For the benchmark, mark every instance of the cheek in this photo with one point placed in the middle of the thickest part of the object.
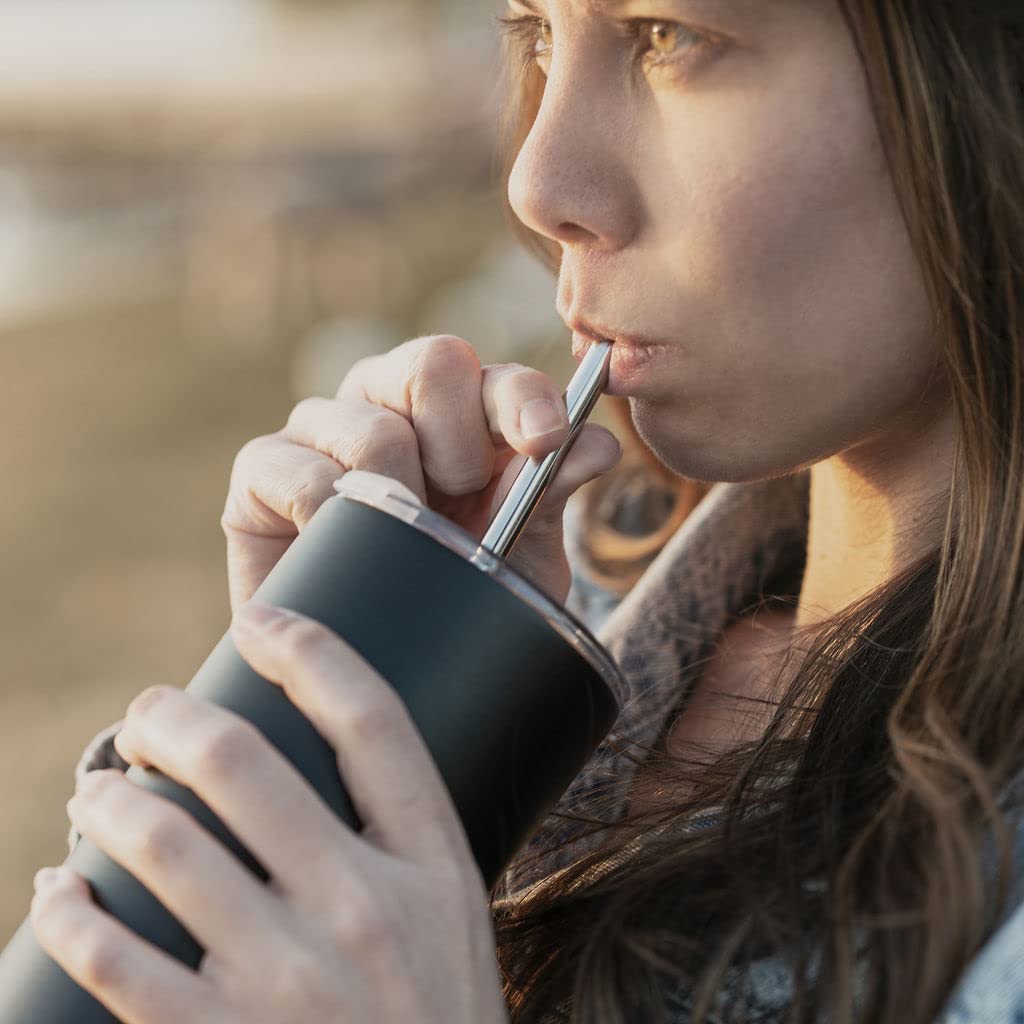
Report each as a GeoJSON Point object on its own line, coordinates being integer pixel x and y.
{"type": "Point", "coordinates": [805, 265]}
{"type": "Point", "coordinates": [803, 299]}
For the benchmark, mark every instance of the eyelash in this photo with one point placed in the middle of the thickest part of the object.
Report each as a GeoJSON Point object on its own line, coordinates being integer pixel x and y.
{"type": "Point", "coordinates": [522, 29]}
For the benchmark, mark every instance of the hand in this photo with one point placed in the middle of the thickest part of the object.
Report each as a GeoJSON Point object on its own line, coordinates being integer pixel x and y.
{"type": "Point", "coordinates": [427, 414]}
{"type": "Point", "coordinates": [389, 925]}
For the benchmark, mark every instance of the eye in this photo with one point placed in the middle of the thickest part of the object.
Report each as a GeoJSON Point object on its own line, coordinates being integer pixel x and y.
{"type": "Point", "coordinates": [662, 42]}
{"type": "Point", "coordinates": [664, 32]}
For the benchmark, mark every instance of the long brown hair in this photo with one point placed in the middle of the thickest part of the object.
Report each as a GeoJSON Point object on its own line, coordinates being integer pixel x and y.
{"type": "Point", "coordinates": [866, 844]}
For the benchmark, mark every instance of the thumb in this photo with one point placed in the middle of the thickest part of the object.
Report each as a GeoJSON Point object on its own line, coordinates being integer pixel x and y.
{"type": "Point", "coordinates": [539, 554]}
{"type": "Point", "coordinates": [595, 451]}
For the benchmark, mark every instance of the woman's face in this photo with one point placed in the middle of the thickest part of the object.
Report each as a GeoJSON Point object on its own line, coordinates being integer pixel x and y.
{"type": "Point", "coordinates": [732, 202]}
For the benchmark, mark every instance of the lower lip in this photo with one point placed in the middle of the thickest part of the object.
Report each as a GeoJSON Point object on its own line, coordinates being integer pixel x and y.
{"type": "Point", "coordinates": [629, 366]}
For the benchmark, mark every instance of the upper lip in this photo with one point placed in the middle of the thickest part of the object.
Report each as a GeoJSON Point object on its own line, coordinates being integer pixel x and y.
{"type": "Point", "coordinates": [597, 332]}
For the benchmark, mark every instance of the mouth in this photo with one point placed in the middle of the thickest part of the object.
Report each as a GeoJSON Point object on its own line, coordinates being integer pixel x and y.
{"type": "Point", "coordinates": [597, 332]}
{"type": "Point", "coordinates": [631, 355]}
{"type": "Point", "coordinates": [627, 370]}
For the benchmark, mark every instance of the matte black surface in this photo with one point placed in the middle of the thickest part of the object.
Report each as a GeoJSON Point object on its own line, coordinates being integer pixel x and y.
{"type": "Point", "coordinates": [508, 709]}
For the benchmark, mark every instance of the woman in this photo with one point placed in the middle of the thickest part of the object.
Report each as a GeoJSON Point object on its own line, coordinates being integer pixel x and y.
{"type": "Point", "coordinates": [811, 214]}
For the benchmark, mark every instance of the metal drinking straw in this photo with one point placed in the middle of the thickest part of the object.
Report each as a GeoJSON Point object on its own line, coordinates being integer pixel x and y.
{"type": "Point", "coordinates": [587, 383]}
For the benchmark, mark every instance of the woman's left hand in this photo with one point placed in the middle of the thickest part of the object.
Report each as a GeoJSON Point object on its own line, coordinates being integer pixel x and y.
{"type": "Point", "coordinates": [389, 925]}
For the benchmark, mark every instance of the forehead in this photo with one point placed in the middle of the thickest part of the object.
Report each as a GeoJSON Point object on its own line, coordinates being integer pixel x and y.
{"type": "Point", "coordinates": [584, 6]}
{"type": "Point", "coordinates": [581, 7]}
{"type": "Point", "coordinates": [708, 10]}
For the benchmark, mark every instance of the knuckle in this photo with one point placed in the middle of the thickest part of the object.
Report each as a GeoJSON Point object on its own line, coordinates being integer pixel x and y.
{"type": "Point", "coordinates": [250, 454]}
{"type": "Point", "coordinates": [228, 517]}
{"type": "Point", "coordinates": [160, 842]}
{"type": "Point", "coordinates": [408, 801]}
{"type": "Point", "coordinates": [251, 459]}
{"type": "Point", "coordinates": [306, 491]}
{"type": "Point", "coordinates": [103, 965]}
{"type": "Point", "coordinates": [302, 639]}
{"type": "Point", "coordinates": [144, 704]}
{"type": "Point", "coordinates": [361, 925]}
{"type": "Point", "coordinates": [369, 721]}
{"type": "Point", "coordinates": [95, 785]}
{"type": "Point", "coordinates": [295, 975]}
{"type": "Point", "coordinates": [223, 749]}
{"type": "Point", "coordinates": [350, 386]}
{"type": "Point", "coordinates": [520, 381]}
{"type": "Point", "coordinates": [301, 411]}
{"type": "Point", "coordinates": [466, 478]}
{"type": "Point", "coordinates": [442, 358]}
{"type": "Point", "coordinates": [53, 923]}
{"type": "Point", "coordinates": [385, 432]}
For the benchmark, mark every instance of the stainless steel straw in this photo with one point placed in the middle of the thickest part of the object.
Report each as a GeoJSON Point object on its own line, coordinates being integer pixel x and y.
{"type": "Point", "coordinates": [587, 383]}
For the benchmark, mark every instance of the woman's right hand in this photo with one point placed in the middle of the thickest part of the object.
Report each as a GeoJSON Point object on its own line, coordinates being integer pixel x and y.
{"type": "Point", "coordinates": [429, 415]}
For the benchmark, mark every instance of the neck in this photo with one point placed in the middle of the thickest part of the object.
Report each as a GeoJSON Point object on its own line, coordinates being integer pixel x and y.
{"type": "Point", "coordinates": [874, 510]}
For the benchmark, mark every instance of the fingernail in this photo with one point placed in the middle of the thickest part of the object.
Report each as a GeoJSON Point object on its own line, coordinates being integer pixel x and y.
{"type": "Point", "coordinates": [253, 614]}
{"type": "Point", "coordinates": [540, 416]}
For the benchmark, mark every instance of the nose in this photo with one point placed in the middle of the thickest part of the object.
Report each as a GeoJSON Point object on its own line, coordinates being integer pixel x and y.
{"type": "Point", "coordinates": [571, 180]}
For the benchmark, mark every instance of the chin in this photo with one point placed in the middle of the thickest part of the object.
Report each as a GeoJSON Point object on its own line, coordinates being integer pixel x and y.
{"type": "Point", "coordinates": [680, 455]}
{"type": "Point", "coordinates": [708, 459]}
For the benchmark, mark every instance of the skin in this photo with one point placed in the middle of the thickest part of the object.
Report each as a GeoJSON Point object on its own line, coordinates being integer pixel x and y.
{"type": "Point", "coordinates": [735, 208]}
{"type": "Point", "coordinates": [347, 927]}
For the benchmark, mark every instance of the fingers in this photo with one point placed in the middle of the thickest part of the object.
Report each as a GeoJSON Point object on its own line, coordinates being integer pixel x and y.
{"type": "Point", "coordinates": [136, 981]}
{"type": "Point", "coordinates": [596, 450]}
{"type": "Point", "coordinates": [540, 555]}
{"type": "Point", "coordinates": [424, 410]}
{"type": "Point", "coordinates": [459, 410]}
{"type": "Point", "coordinates": [359, 435]}
{"type": "Point", "coordinates": [186, 868]}
{"type": "Point", "coordinates": [434, 383]}
{"type": "Point", "coordinates": [390, 775]}
{"type": "Point", "coordinates": [254, 790]}
{"type": "Point", "coordinates": [425, 413]}
{"type": "Point", "coordinates": [525, 407]}
{"type": "Point", "coordinates": [276, 487]}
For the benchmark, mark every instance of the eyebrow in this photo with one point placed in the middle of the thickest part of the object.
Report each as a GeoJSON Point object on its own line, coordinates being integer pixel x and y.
{"type": "Point", "coordinates": [743, 7]}
{"type": "Point", "coordinates": [745, 11]}
{"type": "Point", "coordinates": [596, 6]}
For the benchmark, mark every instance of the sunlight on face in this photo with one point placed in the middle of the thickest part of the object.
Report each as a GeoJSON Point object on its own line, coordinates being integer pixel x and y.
{"type": "Point", "coordinates": [713, 175]}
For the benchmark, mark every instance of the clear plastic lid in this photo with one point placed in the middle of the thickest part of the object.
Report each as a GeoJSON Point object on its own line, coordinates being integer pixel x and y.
{"type": "Point", "coordinates": [391, 496]}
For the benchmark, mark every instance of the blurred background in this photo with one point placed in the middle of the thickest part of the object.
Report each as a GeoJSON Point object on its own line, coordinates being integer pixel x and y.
{"type": "Point", "coordinates": [209, 209]}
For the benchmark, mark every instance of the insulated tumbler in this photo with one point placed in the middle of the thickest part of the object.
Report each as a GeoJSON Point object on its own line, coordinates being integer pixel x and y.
{"type": "Point", "coordinates": [511, 693]}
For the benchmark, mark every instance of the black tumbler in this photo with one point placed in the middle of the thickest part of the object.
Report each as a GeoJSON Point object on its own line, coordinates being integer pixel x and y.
{"type": "Point", "coordinates": [511, 693]}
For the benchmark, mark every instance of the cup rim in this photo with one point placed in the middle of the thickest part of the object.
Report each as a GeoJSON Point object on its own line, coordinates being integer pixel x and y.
{"type": "Point", "coordinates": [397, 500]}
